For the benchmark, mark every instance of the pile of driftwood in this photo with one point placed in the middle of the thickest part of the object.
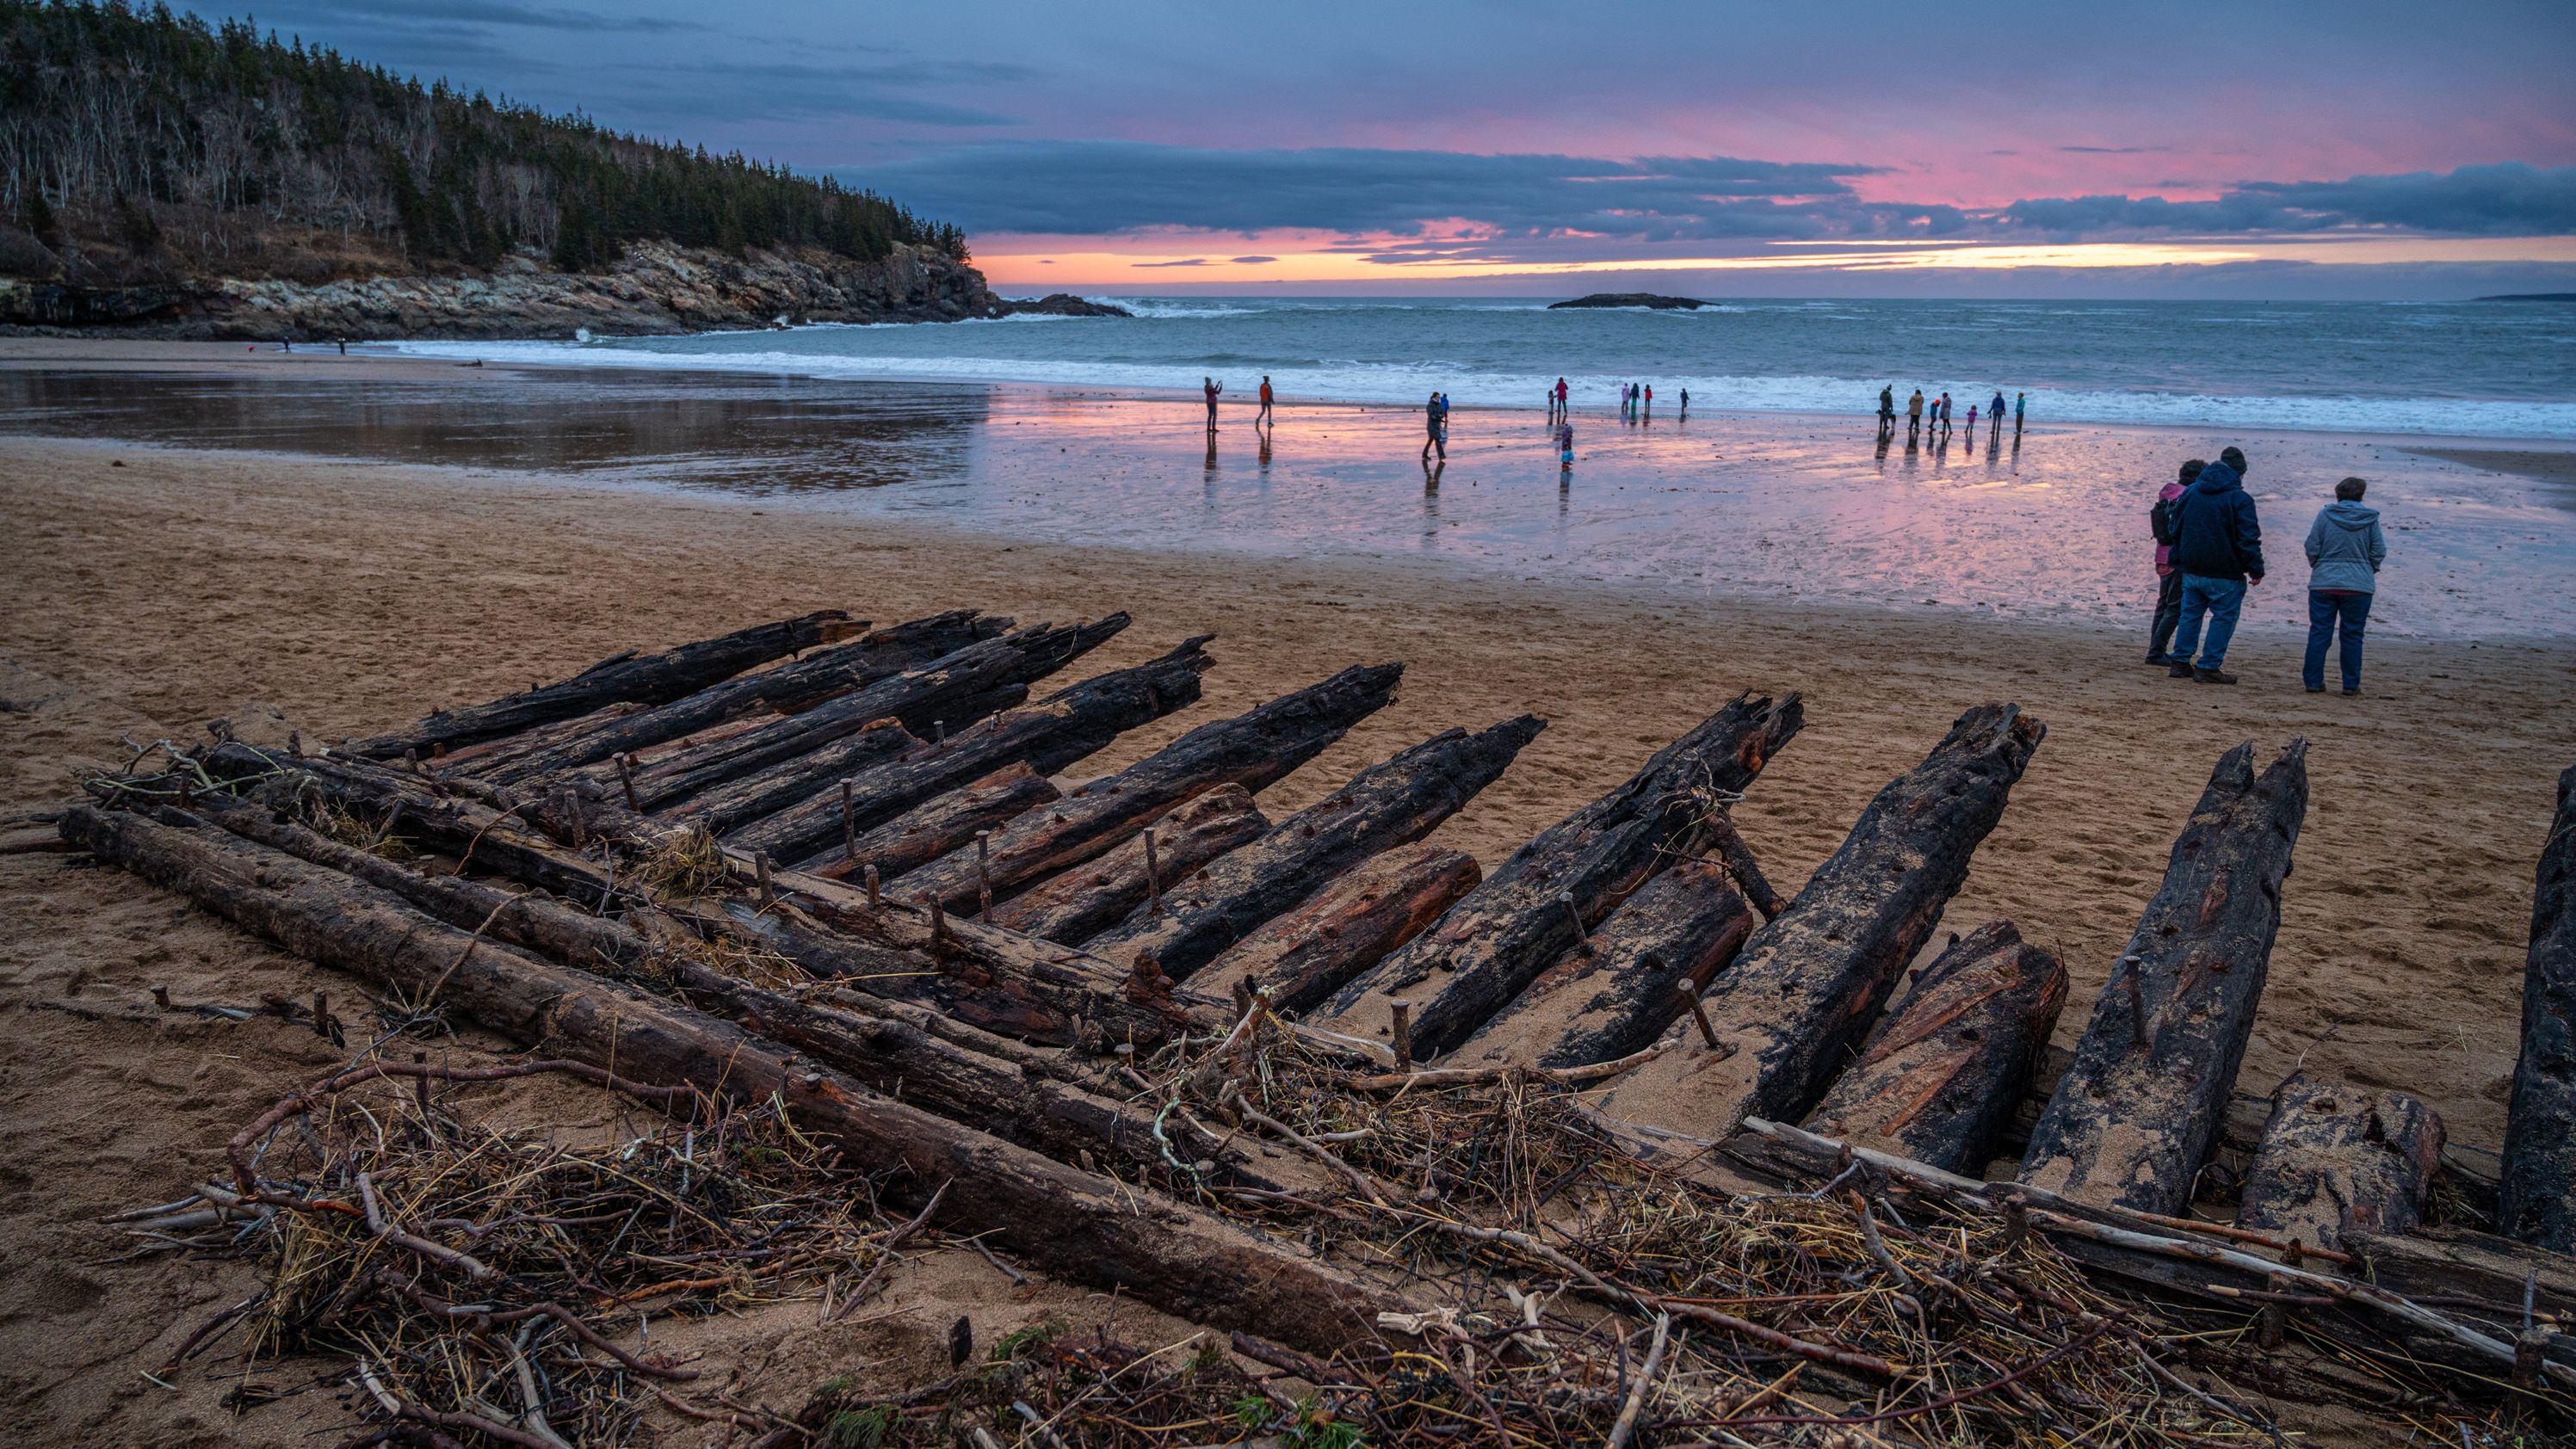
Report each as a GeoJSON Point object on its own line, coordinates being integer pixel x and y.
{"type": "Point", "coordinates": [1320, 1083]}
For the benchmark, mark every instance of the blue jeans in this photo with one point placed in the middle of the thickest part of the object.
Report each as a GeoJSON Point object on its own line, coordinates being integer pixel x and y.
{"type": "Point", "coordinates": [2322, 612]}
{"type": "Point", "coordinates": [2222, 600]}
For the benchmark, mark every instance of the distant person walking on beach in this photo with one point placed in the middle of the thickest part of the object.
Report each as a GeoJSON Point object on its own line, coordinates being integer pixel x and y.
{"type": "Point", "coordinates": [1437, 434]}
{"type": "Point", "coordinates": [1995, 411]}
{"type": "Point", "coordinates": [1208, 385]}
{"type": "Point", "coordinates": [1887, 410]}
{"type": "Point", "coordinates": [2218, 545]}
{"type": "Point", "coordinates": [1650, 398]}
{"type": "Point", "coordinates": [2020, 400]}
{"type": "Point", "coordinates": [1945, 416]}
{"type": "Point", "coordinates": [1565, 446]}
{"type": "Point", "coordinates": [1684, 410]}
{"type": "Point", "coordinates": [1972, 427]}
{"type": "Point", "coordinates": [1263, 416]}
{"type": "Point", "coordinates": [1913, 416]}
{"type": "Point", "coordinates": [2160, 522]}
{"type": "Point", "coordinates": [1560, 399]}
{"type": "Point", "coordinates": [2345, 549]}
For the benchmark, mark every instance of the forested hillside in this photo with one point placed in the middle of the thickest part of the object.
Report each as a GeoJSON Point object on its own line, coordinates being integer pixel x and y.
{"type": "Point", "coordinates": [138, 146]}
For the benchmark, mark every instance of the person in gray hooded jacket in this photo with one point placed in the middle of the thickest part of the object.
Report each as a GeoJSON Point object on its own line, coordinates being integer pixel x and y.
{"type": "Point", "coordinates": [2345, 548]}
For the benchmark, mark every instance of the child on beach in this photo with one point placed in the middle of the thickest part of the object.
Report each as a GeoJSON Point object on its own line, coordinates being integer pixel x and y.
{"type": "Point", "coordinates": [1565, 446]}
{"type": "Point", "coordinates": [2160, 522]}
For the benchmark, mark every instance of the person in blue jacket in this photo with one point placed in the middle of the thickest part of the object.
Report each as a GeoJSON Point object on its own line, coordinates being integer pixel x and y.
{"type": "Point", "coordinates": [2345, 549]}
{"type": "Point", "coordinates": [2218, 547]}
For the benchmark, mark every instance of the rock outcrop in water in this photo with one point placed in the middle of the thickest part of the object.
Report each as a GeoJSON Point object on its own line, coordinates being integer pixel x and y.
{"type": "Point", "coordinates": [656, 287]}
{"type": "Point", "coordinates": [1633, 299]}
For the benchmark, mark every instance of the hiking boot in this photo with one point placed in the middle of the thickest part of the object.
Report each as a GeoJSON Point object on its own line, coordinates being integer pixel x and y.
{"type": "Point", "coordinates": [2316, 689]}
{"type": "Point", "coordinates": [2179, 669]}
{"type": "Point", "coordinates": [2352, 693]}
{"type": "Point", "coordinates": [2213, 676]}
{"type": "Point", "coordinates": [2165, 660]}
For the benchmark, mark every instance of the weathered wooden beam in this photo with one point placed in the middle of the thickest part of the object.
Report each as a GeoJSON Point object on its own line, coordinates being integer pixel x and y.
{"type": "Point", "coordinates": [1048, 735]}
{"type": "Point", "coordinates": [1075, 1223]}
{"type": "Point", "coordinates": [911, 698]}
{"type": "Point", "coordinates": [1788, 1014]}
{"type": "Point", "coordinates": [879, 654]}
{"type": "Point", "coordinates": [1302, 955]}
{"type": "Point", "coordinates": [1506, 930]}
{"type": "Point", "coordinates": [998, 980]}
{"type": "Point", "coordinates": [1252, 749]}
{"type": "Point", "coordinates": [2339, 1158]}
{"type": "Point", "coordinates": [651, 678]}
{"type": "Point", "coordinates": [2538, 1198]}
{"type": "Point", "coordinates": [2133, 1119]}
{"type": "Point", "coordinates": [944, 822]}
{"type": "Point", "coordinates": [762, 792]}
{"type": "Point", "coordinates": [1393, 802]}
{"type": "Point", "coordinates": [1091, 897]}
{"type": "Point", "coordinates": [1940, 1081]}
{"type": "Point", "coordinates": [1615, 992]}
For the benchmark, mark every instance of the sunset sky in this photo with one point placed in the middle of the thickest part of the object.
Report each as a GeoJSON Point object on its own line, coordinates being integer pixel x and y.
{"type": "Point", "coordinates": [2163, 149]}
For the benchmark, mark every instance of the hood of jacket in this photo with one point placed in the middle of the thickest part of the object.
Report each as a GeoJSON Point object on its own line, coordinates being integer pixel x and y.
{"type": "Point", "coordinates": [2346, 514]}
{"type": "Point", "coordinates": [2216, 478]}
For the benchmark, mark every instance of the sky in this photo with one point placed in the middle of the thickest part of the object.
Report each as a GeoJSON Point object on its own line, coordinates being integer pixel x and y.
{"type": "Point", "coordinates": [2252, 148]}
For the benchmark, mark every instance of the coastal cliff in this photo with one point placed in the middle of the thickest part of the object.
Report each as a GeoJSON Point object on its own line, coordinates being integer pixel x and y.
{"type": "Point", "coordinates": [655, 287]}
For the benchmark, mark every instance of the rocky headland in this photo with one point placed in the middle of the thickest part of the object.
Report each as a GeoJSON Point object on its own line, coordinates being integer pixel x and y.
{"type": "Point", "coordinates": [656, 287]}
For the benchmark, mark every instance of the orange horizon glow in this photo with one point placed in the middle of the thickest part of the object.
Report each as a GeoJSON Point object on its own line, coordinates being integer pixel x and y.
{"type": "Point", "coordinates": [1305, 259]}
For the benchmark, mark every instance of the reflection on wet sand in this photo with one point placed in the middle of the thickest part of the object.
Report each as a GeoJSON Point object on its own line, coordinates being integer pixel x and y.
{"type": "Point", "coordinates": [1764, 505]}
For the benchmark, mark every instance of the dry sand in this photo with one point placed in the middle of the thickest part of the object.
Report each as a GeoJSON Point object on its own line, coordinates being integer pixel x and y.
{"type": "Point", "coordinates": [143, 599]}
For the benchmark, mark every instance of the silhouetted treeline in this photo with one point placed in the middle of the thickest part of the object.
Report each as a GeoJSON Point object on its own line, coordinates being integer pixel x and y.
{"type": "Point", "coordinates": [141, 140]}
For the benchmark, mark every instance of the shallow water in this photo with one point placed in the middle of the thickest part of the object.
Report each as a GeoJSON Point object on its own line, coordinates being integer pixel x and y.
{"type": "Point", "coordinates": [1741, 505]}
{"type": "Point", "coordinates": [2463, 369]}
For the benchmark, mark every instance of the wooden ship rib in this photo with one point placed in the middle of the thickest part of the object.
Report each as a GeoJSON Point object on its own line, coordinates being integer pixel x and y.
{"type": "Point", "coordinates": [978, 947]}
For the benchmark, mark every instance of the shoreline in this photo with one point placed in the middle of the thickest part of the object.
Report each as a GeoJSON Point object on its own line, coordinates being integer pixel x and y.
{"type": "Point", "coordinates": [386, 358]}
{"type": "Point", "coordinates": [1760, 510]}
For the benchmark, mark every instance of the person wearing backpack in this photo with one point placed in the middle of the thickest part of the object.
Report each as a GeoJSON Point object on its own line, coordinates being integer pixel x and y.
{"type": "Point", "coordinates": [2345, 549]}
{"type": "Point", "coordinates": [2218, 545]}
{"type": "Point", "coordinates": [2160, 521]}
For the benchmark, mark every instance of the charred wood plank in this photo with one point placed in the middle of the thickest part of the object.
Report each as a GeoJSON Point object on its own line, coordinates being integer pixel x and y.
{"type": "Point", "coordinates": [786, 748]}
{"type": "Point", "coordinates": [1048, 735]}
{"type": "Point", "coordinates": [788, 689]}
{"type": "Point", "coordinates": [1394, 802]}
{"type": "Point", "coordinates": [1497, 939]}
{"type": "Point", "coordinates": [649, 678]}
{"type": "Point", "coordinates": [1788, 1014]}
{"type": "Point", "coordinates": [2538, 1199]}
{"type": "Point", "coordinates": [1615, 993]}
{"type": "Point", "coordinates": [2134, 1117]}
{"type": "Point", "coordinates": [1072, 1222]}
{"type": "Point", "coordinates": [2339, 1158]}
{"type": "Point", "coordinates": [1941, 1080]}
{"type": "Point", "coordinates": [1252, 749]}
{"type": "Point", "coordinates": [1299, 957]}
{"type": "Point", "coordinates": [945, 822]}
{"type": "Point", "coordinates": [1091, 897]}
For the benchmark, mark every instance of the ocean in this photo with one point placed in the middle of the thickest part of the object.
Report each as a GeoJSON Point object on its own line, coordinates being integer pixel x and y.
{"type": "Point", "coordinates": [2465, 369]}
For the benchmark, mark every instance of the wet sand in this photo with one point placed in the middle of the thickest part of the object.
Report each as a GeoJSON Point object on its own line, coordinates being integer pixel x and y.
{"type": "Point", "coordinates": [342, 597]}
{"type": "Point", "coordinates": [2547, 465]}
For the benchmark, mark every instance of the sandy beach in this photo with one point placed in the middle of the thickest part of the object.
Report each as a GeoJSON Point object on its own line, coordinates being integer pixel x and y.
{"type": "Point", "coordinates": [145, 590]}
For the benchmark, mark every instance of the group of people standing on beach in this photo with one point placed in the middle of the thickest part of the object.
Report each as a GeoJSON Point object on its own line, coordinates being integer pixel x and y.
{"type": "Point", "coordinates": [1931, 421]}
{"type": "Point", "coordinates": [1213, 389]}
{"type": "Point", "coordinates": [2209, 551]}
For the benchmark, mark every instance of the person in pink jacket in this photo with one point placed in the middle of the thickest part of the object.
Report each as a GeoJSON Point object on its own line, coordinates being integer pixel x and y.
{"type": "Point", "coordinates": [2160, 519]}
